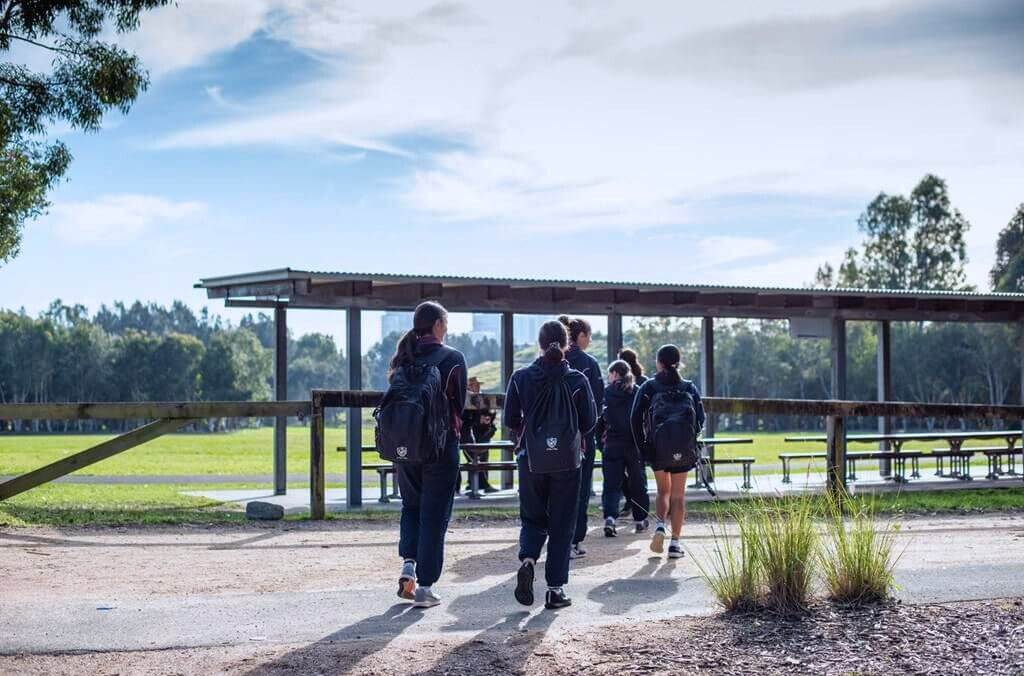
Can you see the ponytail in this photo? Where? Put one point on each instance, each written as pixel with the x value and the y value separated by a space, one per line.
pixel 575 326
pixel 669 357
pixel 424 317
pixel 620 368
pixel 629 356
pixel 552 340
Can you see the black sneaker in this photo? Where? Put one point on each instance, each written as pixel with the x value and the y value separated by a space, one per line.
pixel 626 512
pixel 524 584
pixel 554 600
pixel 641 526
pixel 609 527
pixel 675 552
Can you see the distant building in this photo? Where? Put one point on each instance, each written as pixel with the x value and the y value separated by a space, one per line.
pixel 395 322
pixel 485 325
pixel 526 327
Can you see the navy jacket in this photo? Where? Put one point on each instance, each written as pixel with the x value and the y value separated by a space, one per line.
pixel 453 377
pixel 526 384
pixel 591 370
pixel 613 428
pixel 642 402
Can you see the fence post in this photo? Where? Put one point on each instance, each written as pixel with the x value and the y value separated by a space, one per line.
pixel 316 457
pixel 835 429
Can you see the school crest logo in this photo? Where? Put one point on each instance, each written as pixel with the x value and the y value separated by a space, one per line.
pixel 402 451
pixel 552 443
pixel 677 456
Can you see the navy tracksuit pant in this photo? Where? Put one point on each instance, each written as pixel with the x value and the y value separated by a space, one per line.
pixel 547 510
pixel 622 467
pixel 427 494
pixel 586 488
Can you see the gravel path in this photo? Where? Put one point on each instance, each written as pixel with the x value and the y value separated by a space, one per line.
pixel 319 598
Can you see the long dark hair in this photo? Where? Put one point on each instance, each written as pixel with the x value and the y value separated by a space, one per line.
pixel 625 373
pixel 576 326
pixel 552 339
pixel 629 356
pixel 669 357
pixel 423 319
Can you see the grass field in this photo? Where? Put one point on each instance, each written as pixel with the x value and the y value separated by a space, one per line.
pixel 250 452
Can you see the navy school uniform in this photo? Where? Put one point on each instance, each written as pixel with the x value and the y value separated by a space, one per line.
pixel 591 371
pixel 547 502
pixel 627 493
pixel 642 403
pixel 428 489
pixel 620 457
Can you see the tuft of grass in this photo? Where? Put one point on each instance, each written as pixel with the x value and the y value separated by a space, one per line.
pixel 770 563
pixel 788 545
pixel 858 561
pixel 733 571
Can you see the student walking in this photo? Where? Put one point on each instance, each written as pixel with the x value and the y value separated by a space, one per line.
pixel 418 427
pixel 550 409
pixel 579 341
pixel 666 419
pixel 629 356
pixel 619 455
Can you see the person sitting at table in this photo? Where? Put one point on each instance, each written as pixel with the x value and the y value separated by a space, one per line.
pixel 478 428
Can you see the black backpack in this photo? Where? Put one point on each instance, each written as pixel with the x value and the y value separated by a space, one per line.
pixel 670 428
pixel 551 434
pixel 616 418
pixel 412 419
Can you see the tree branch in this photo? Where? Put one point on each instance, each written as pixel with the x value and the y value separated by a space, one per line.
pixel 5 22
pixel 52 48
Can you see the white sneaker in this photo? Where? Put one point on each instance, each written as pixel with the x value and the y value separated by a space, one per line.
pixel 425 598
pixel 658 540
pixel 577 551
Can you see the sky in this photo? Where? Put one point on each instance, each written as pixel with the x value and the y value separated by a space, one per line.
pixel 721 143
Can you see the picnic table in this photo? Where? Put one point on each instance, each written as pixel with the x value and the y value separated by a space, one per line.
pixel 959 458
pixel 746 462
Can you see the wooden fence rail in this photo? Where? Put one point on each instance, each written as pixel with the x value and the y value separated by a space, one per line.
pixel 169 416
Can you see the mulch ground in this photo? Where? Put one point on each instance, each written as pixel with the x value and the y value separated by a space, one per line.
pixel 962 638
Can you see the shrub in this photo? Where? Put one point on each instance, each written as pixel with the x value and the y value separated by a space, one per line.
pixel 857 564
pixel 732 571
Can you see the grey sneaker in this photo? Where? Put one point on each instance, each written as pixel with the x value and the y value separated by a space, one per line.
pixel 609 527
pixel 425 598
pixel 658 541
pixel 577 551
pixel 407 581
pixel 641 526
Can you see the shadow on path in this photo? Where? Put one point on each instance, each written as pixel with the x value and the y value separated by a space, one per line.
pixel 650 584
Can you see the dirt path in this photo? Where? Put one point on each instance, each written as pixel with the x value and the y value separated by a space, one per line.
pixel 320 598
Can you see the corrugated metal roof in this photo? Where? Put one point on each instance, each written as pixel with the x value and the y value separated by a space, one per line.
pixel 283 274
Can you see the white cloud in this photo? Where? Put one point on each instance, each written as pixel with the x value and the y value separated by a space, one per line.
pixel 114 218
pixel 569 116
pixel 721 249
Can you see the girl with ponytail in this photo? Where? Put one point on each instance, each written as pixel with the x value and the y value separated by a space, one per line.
pixel 671 481
pixel 620 457
pixel 548 500
pixel 428 488
pixel 576 355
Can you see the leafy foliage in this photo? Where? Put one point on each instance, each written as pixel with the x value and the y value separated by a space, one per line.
pixel 87 78
pixel 915 242
pixel 1008 271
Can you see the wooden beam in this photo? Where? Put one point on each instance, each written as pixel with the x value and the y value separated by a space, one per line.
pixel 835 431
pixel 102 451
pixel 614 336
pixel 354 417
pixel 508 354
pixel 151 410
pixel 280 394
pixel 707 369
pixel 838 355
pixel 317 473
pixel 883 373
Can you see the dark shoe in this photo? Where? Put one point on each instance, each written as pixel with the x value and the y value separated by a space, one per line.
pixel 641 526
pixel 490 489
pixel 626 511
pixel 577 551
pixel 675 552
pixel 609 527
pixel 554 600
pixel 524 584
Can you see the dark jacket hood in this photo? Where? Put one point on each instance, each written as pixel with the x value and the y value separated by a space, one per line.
pixel 542 368
pixel 617 392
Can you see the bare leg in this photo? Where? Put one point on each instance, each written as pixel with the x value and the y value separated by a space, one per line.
pixel 661 507
pixel 677 503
